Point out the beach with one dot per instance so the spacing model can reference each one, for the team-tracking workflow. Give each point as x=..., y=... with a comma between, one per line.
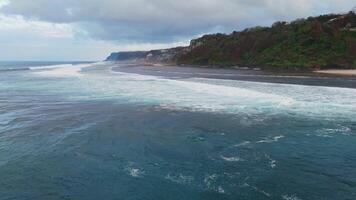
x=343, y=72
x=246, y=74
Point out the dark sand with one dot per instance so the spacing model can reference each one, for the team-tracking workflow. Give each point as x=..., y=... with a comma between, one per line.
x=179, y=72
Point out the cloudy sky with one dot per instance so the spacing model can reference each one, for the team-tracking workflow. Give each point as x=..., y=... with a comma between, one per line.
x=91, y=29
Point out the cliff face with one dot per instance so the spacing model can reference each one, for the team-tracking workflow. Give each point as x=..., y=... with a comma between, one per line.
x=126, y=55
x=327, y=41
x=153, y=56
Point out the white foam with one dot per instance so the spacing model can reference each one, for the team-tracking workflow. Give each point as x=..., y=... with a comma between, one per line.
x=210, y=179
x=207, y=95
x=270, y=140
x=273, y=163
x=242, y=144
x=50, y=67
x=290, y=197
x=232, y=159
x=210, y=182
x=60, y=70
x=134, y=172
x=331, y=132
x=190, y=89
x=221, y=190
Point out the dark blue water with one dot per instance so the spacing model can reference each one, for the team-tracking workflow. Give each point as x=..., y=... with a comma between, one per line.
x=85, y=132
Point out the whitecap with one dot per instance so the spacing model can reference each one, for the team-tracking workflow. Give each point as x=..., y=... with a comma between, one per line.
x=134, y=172
x=242, y=144
x=273, y=163
x=290, y=197
x=60, y=70
x=221, y=190
x=50, y=67
x=210, y=179
x=232, y=159
x=270, y=140
x=331, y=132
x=206, y=95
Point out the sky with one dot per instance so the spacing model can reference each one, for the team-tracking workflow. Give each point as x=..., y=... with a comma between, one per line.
x=78, y=30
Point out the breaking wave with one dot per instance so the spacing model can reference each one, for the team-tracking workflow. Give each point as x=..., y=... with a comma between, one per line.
x=201, y=94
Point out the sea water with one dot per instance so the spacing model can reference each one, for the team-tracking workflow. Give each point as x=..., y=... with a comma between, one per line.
x=86, y=131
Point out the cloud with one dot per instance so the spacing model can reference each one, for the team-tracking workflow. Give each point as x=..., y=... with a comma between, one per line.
x=160, y=21
x=31, y=39
x=13, y=24
x=91, y=29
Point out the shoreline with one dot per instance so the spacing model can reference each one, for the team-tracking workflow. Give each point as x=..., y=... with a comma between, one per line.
x=281, y=77
x=265, y=70
x=340, y=72
x=269, y=70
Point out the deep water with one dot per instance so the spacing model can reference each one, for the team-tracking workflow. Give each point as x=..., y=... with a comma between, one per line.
x=86, y=132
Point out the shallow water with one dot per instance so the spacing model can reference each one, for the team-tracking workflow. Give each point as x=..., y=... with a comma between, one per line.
x=88, y=132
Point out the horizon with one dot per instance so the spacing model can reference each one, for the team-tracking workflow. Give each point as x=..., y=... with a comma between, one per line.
x=55, y=31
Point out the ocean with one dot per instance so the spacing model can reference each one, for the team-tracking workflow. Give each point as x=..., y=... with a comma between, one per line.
x=103, y=131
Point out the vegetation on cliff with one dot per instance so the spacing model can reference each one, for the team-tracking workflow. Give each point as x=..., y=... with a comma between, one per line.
x=327, y=41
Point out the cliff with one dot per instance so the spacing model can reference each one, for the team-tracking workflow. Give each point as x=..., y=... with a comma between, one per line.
x=153, y=56
x=327, y=41
x=126, y=55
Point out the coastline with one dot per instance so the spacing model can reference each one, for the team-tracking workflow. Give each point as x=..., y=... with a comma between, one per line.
x=265, y=70
x=241, y=74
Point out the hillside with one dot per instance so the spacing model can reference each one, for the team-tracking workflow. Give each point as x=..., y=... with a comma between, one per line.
x=327, y=41
x=153, y=56
x=127, y=55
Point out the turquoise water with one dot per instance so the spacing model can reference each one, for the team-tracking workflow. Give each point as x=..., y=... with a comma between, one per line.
x=85, y=131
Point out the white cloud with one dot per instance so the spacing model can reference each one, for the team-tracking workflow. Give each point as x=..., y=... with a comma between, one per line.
x=46, y=29
x=3, y=3
x=168, y=20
